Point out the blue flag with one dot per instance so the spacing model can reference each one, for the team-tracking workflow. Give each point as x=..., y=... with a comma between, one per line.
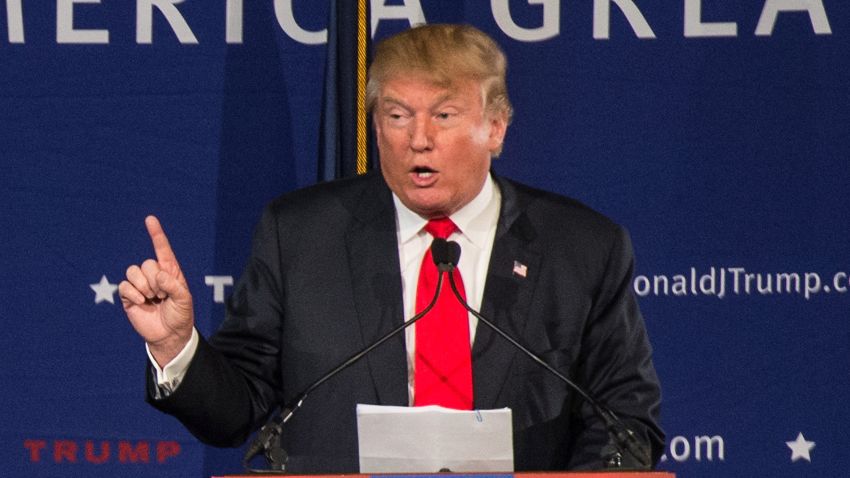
x=345, y=131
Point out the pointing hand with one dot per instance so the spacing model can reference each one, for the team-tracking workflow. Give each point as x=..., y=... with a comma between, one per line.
x=157, y=300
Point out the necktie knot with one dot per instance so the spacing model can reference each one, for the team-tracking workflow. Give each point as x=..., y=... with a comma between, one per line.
x=441, y=227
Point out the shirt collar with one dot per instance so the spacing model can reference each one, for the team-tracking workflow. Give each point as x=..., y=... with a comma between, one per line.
x=475, y=220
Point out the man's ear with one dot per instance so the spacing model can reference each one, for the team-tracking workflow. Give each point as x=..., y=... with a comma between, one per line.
x=376, y=125
x=498, y=128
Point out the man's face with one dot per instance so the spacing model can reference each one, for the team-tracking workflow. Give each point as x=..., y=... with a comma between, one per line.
x=435, y=143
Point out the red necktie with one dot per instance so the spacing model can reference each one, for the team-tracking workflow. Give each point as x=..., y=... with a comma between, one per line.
x=443, y=368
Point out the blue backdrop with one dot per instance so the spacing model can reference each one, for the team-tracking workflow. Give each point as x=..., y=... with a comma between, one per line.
x=716, y=131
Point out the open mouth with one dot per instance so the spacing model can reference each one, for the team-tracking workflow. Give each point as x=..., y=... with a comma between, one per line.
x=423, y=172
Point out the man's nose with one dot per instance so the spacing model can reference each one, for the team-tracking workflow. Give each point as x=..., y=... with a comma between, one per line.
x=421, y=134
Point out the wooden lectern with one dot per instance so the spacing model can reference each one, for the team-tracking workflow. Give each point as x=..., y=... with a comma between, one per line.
x=559, y=474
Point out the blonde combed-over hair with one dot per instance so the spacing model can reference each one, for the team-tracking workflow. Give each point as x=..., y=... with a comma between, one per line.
x=444, y=54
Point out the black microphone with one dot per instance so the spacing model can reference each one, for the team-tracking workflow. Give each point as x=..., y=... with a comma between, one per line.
x=620, y=435
x=268, y=440
x=445, y=254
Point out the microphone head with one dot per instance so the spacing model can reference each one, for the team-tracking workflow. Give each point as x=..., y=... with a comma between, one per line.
x=454, y=253
x=445, y=254
x=440, y=251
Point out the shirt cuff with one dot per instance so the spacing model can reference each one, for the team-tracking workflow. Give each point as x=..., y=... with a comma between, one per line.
x=168, y=378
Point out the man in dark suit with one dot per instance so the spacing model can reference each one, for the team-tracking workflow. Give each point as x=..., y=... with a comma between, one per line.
x=335, y=266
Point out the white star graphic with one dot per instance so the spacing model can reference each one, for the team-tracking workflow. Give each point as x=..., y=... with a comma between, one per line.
x=800, y=448
x=104, y=291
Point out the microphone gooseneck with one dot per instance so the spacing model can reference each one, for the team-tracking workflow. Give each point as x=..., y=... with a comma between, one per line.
x=268, y=439
x=622, y=436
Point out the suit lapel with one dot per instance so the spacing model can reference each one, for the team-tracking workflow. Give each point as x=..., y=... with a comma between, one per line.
x=376, y=284
x=507, y=297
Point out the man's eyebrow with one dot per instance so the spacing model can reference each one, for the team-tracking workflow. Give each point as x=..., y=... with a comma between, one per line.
x=392, y=101
x=448, y=96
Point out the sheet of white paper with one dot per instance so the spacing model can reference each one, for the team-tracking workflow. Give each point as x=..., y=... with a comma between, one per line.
x=430, y=439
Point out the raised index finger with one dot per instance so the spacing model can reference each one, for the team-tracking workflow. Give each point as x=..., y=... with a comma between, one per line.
x=162, y=248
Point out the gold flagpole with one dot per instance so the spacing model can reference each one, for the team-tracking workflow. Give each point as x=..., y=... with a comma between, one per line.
x=362, y=39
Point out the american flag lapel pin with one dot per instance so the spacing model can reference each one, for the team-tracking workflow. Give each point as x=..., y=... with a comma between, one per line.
x=520, y=269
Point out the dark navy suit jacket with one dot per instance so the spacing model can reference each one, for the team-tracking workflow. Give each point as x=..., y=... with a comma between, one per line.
x=323, y=281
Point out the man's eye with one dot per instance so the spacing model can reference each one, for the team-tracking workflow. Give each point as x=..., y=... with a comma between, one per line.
x=443, y=116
